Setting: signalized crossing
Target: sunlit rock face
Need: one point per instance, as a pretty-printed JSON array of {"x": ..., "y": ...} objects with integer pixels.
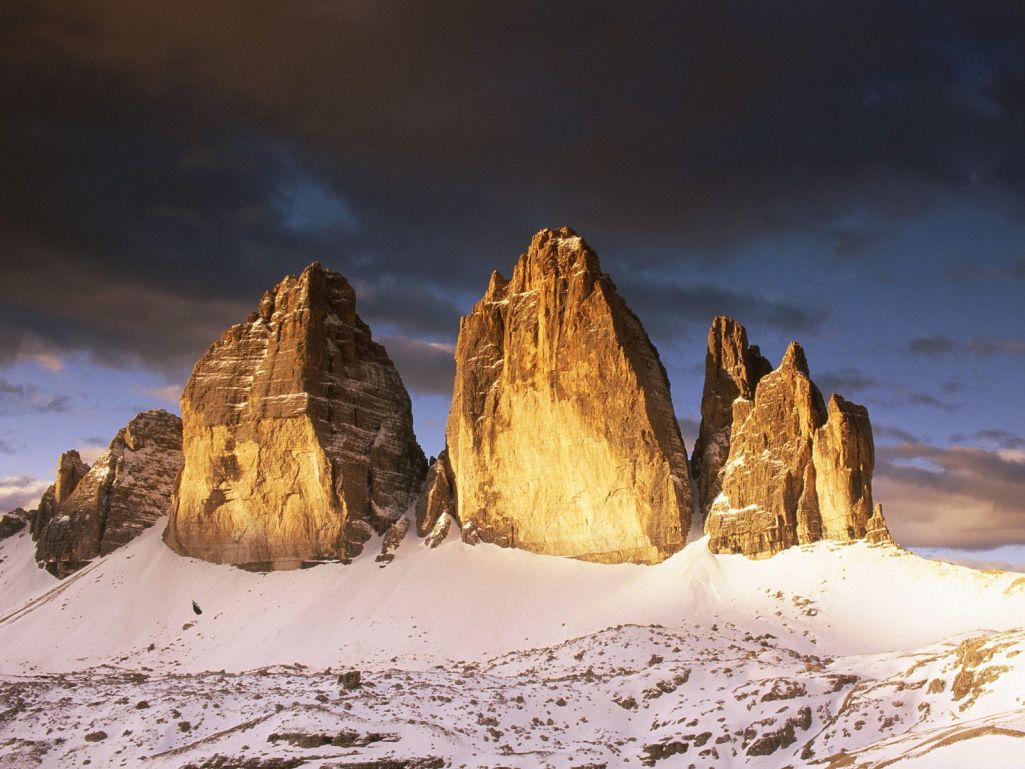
[
  {"x": 844, "y": 457},
  {"x": 732, "y": 370},
  {"x": 298, "y": 435},
  {"x": 562, "y": 437},
  {"x": 796, "y": 472},
  {"x": 127, "y": 490}
]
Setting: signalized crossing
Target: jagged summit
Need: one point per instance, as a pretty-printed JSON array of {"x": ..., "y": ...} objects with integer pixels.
[
  {"x": 562, "y": 438},
  {"x": 732, "y": 370},
  {"x": 298, "y": 434},
  {"x": 795, "y": 472},
  {"x": 92, "y": 511}
]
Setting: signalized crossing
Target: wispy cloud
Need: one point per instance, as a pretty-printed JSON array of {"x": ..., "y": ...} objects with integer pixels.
[
  {"x": 983, "y": 346},
  {"x": 16, "y": 398},
  {"x": 20, "y": 491},
  {"x": 952, "y": 496}
]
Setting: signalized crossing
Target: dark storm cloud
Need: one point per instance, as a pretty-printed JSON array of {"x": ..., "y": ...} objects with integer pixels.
[
  {"x": 194, "y": 152},
  {"x": 426, "y": 367},
  {"x": 669, "y": 309},
  {"x": 850, "y": 381},
  {"x": 846, "y": 380},
  {"x": 953, "y": 497}
]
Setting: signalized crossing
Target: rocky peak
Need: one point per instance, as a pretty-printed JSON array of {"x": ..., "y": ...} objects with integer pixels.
[
  {"x": 70, "y": 471},
  {"x": 125, "y": 491},
  {"x": 562, "y": 437},
  {"x": 796, "y": 471},
  {"x": 732, "y": 370},
  {"x": 844, "y": 457},
  {"x": 298, "y": 434}
]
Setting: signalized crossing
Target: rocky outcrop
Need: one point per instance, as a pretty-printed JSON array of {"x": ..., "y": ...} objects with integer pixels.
[
  {"x": 844, "y": 458},
  {"x": 298, "y": 435},
  {"x": 796, "y": 472},
  {"x": 732, "y": 370},
  {"x": 70, "y": 470},
  {"x": 438, "y": 498},
  {"x": 876, "y": 530},
  {"x": 125, "y": 491},
  {"x": 14, "y": 521},
  {"x": 768, "y": 500},
  {"x": 562, "y": 437}
]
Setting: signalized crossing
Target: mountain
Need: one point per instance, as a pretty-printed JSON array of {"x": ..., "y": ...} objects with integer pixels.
[
  {"x": 796, "y": 472},
  {"x": 297, "y": 432},
  {"x": 562, "y": 438},
  {"x": 91, "y": 511}
]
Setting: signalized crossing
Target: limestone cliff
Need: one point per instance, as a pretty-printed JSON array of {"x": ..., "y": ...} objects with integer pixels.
[
  {"x": 70, "y": 470},
  {"x": 768, "y": 500},
  {"x": 732, "y": 370},
  {"x": 438, "y": 499},
  {"x": 844, "y": 457},
  {"x": 125, "y": 491},
  {"x": 562, "y": 438},
  {"x": 298, "y": 434},
  {"x": 796, "y": 472}
]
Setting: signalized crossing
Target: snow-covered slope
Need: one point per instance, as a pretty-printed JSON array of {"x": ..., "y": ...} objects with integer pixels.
[{"x": 479, "y": 656}]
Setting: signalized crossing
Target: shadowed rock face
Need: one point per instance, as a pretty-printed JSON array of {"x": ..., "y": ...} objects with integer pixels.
[
  {"x": 796, "y": 472},
  {"x": 14, "y": 521},
  {"x": 70, "y": 470},
  {"x": 125, "y": 491},
  {"x": 732, "y": 370},
  {"x": 298, "y": 435},
  {"x": 438, "y": 498},
  {"x": 562, "y": 437}
]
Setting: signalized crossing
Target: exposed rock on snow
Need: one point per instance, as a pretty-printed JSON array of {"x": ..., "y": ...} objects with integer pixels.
[
  {"x": 693, "y": 660},
  {"x": 876, "y": 530},
  {"x": 795, "y": 473},
  {"x": 844, "y": 457},
  {"x": 14, "y": 521},
  {"x": 127, "y": 489},
  {"x": 70, "y": 470},
  {"x": 438, "y": 498},
  {"x": 562, "y": 438},
  {"x": 298, "y": 435},
  {"x": 732, "y": 370}
]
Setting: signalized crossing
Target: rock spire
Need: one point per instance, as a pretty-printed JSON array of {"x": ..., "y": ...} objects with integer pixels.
[
  {"x": 796, "y": 472},
  {"x": 732, "y": 370},
  {"x": 298, "y": 435},
  {"x": 128, "y": 488},
  {"x": 562, "y": 438}
]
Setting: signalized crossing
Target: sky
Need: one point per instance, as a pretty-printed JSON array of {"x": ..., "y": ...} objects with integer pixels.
[{"x": 848, "y": 174}]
